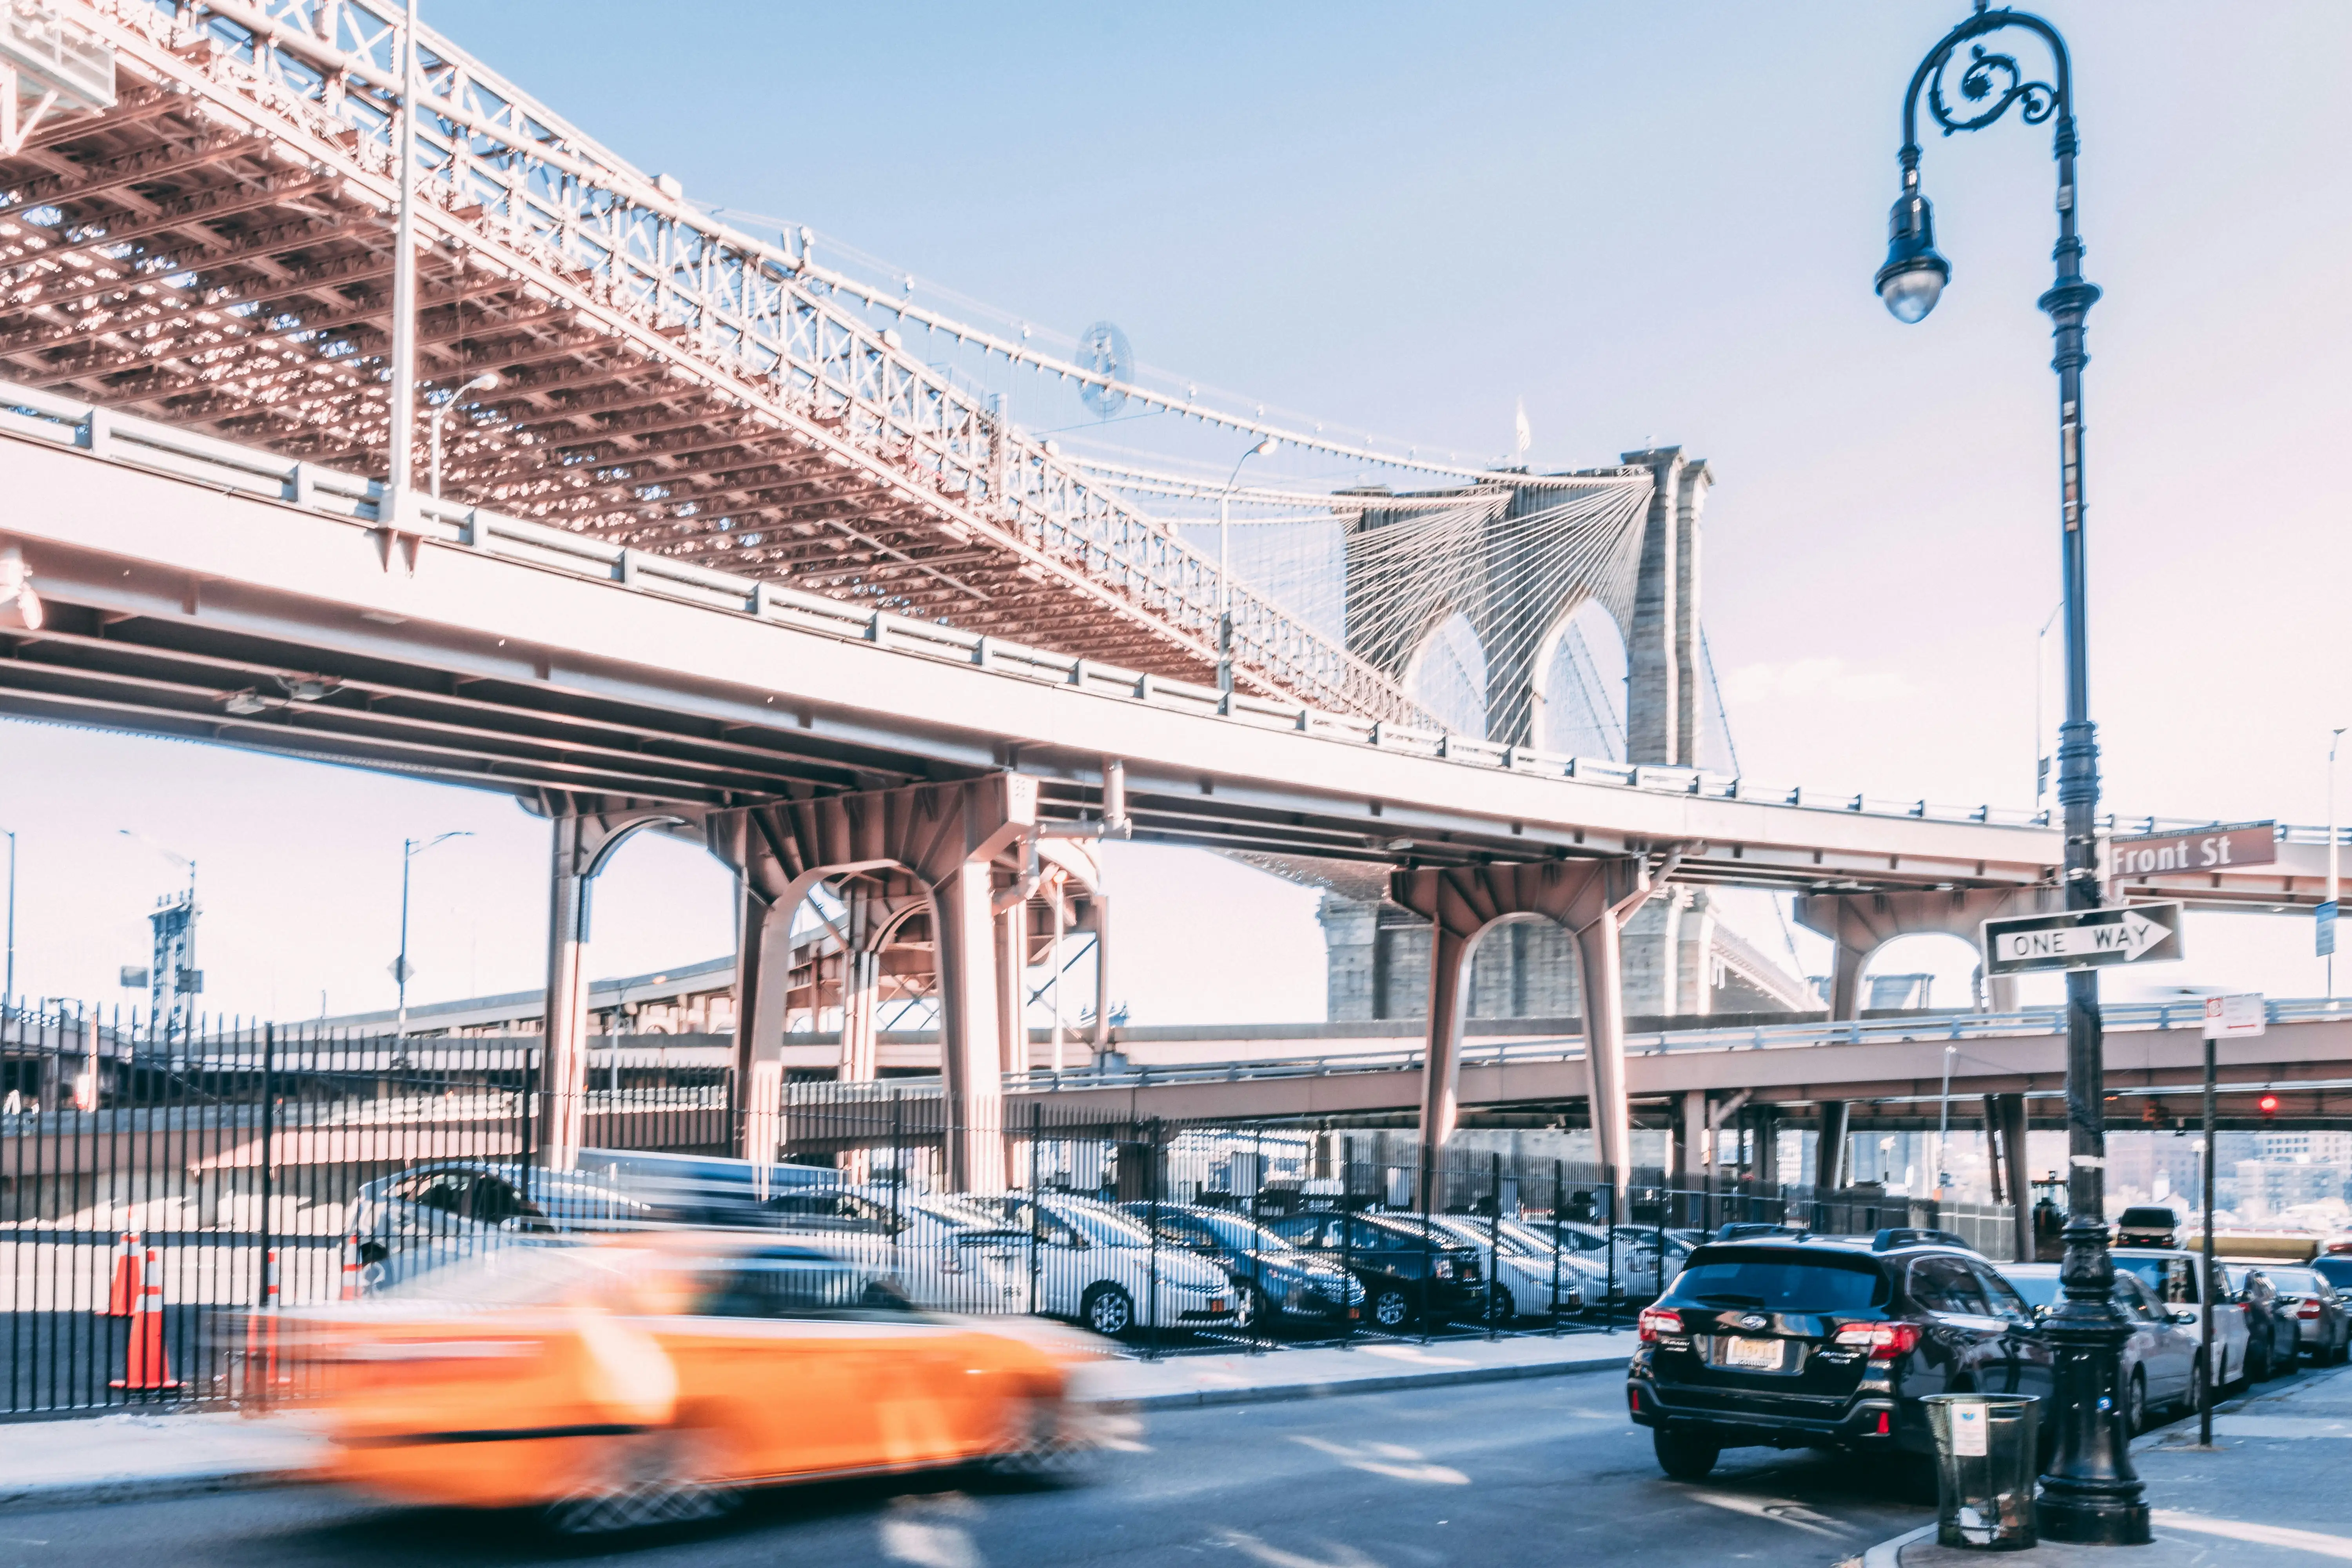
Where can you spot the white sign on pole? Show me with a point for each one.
(2234, 1017)
(2084, 939)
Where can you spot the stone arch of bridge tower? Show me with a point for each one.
(1455, 629)
(1581, 606)
(1859, 924)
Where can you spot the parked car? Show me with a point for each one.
(1408, 1276)
(1636, 1256)
(429, 1217)
(2175, 1277)
(648, 1377)
(2160, 1359)
(1528, 1277)
(1275, 1283)
(2274, 1336)
(1826, 1341)
(2322, 1319)
(2148, 1225)
(2336, 1269)
(1094, 1264)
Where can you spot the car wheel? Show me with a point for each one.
(1500, 1306)
(2188, 1404)
(2258, 1362)
(1392, 1309)
(1683, 1454)
(1109, 1310)
(1039, 1447)
(652, 1482)
(2135, 1405)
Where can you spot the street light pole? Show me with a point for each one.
(8, 986)
(481, 383)
(1225, 574)
(2334, 859)
(2090, 1493)
(409, 851)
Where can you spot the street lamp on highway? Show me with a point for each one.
(410, 848)
(1224, 555)
(2090, 1493)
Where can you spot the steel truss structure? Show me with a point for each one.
(215, 248)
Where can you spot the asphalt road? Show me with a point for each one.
(1542, 1471)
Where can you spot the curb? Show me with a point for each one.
(1889, 1553)
(144, 1488)
(1270, 1394)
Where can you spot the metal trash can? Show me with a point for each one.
(1985, 1454)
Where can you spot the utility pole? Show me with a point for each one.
(8, 986)
(409, 851)
(2334, 859)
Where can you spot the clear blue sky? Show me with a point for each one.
(1656, 224)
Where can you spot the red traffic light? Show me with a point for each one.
(2268, 1106)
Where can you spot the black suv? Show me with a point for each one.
(1826, 1341)
(1409, 1272)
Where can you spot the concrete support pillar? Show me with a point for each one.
(1011, 978)
(1102, 973)
(1604, 1049)
(1593, 898)
(564, 1072)
(760, 1027)
(1691, 1151)
(861, 981)
(1845, 983)
(1830, 1162)
(1766, 1121)
(2012, 1121)
(1858, 923)
(971, 1059)
(1449, 969)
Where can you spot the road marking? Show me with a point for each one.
(1386, 1459)
(2335, 1546)
(1795, 1515)
(2280, 1426)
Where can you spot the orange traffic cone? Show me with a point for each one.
(124, 1299)
(145, 1370)
(350, 1268)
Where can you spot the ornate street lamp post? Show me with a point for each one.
(2090, 1493)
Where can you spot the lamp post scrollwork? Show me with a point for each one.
(2090, 1492)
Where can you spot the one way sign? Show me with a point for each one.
(2084, 939)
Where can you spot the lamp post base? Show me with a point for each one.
(2094, 1515)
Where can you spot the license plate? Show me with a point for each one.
(1761, 1355)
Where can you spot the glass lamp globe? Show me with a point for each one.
(1912, 292)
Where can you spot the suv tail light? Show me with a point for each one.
(1657, 1320)
(1885, 1342)
(2307, 1310)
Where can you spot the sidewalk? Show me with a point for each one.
(129, 1457)
(2270, 1490)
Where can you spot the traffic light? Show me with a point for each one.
(2268, 1106)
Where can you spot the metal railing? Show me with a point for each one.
(354, 500)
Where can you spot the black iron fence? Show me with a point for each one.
(161, 1193)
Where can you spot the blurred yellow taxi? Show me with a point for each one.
(649, 1378)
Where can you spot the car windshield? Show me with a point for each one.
(1100, 1226)
(2336, 1271)
(2151, 1272)
(2299, 1282)
(1231, 1231)
(966, 1216)
(1779, 1281)
(2039, 1288)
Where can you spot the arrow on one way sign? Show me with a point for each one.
(2084, 939)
